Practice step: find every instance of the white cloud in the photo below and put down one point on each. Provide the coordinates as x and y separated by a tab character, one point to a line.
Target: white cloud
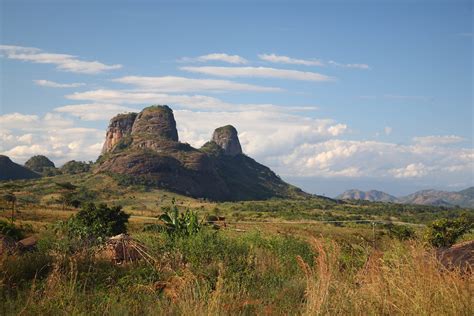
52	84
182	84
128	97
196	102
232	59
439	139
413	170
63	62
357	66
259	72
288	60
263	133
32	122
292	145
94	111
51	135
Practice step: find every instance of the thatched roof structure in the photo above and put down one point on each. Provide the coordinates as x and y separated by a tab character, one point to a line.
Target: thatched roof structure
124	249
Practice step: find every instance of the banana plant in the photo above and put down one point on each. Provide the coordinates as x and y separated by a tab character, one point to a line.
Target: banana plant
184	224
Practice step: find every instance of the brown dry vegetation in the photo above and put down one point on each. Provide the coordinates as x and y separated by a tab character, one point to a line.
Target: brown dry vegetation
272	258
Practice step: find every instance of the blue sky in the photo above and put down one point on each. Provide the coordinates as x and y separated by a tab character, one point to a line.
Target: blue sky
332	95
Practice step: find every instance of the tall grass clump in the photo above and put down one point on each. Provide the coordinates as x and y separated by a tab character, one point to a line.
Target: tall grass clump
407	279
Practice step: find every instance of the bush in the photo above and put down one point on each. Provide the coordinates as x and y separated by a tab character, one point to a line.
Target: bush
445	232
11	230
97	222
401	232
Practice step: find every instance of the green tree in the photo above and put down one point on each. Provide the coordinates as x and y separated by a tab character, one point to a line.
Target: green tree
445	232
95	223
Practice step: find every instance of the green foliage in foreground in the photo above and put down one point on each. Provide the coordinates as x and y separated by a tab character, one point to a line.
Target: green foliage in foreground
95	223
445	232
401	232
184	224
10	230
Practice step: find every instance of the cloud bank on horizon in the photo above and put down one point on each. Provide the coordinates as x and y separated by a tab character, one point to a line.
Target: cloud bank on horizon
308	139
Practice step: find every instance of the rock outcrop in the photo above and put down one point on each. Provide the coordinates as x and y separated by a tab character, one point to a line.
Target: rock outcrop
227	138
39	163
12	171
151	154
119	127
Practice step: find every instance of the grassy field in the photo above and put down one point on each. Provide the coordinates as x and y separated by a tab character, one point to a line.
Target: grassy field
276	257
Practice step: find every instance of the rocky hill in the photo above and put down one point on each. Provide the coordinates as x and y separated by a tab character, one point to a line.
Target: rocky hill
464	198
12	171
144	148
372	195
39	163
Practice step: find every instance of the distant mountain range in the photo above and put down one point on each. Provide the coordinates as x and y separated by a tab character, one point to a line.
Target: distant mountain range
464	198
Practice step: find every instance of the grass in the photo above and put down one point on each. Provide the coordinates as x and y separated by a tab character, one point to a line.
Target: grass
272	258
213	273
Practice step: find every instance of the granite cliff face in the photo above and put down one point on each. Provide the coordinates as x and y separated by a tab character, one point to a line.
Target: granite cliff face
148	151
226	137
119	127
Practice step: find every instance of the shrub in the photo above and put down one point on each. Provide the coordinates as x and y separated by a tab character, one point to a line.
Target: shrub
97	222
401	232
10	230
445	232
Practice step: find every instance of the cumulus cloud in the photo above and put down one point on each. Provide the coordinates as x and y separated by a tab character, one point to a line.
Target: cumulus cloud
232	59
94	111
413	170
357	66
22	136
291	144
64	62
258	72
262	133
182	84
52	84
288	60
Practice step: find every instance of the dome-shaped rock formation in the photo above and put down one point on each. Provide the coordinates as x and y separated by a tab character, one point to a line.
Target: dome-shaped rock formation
151	154
227	138
39	163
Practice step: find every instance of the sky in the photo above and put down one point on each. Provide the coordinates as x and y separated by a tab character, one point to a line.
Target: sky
332	95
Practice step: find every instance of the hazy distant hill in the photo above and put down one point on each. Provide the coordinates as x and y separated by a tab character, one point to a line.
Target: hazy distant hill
464	198
12	171
372	195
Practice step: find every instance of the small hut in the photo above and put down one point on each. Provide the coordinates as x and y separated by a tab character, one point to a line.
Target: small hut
124	249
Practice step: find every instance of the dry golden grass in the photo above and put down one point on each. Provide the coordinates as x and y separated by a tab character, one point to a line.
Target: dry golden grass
405	280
